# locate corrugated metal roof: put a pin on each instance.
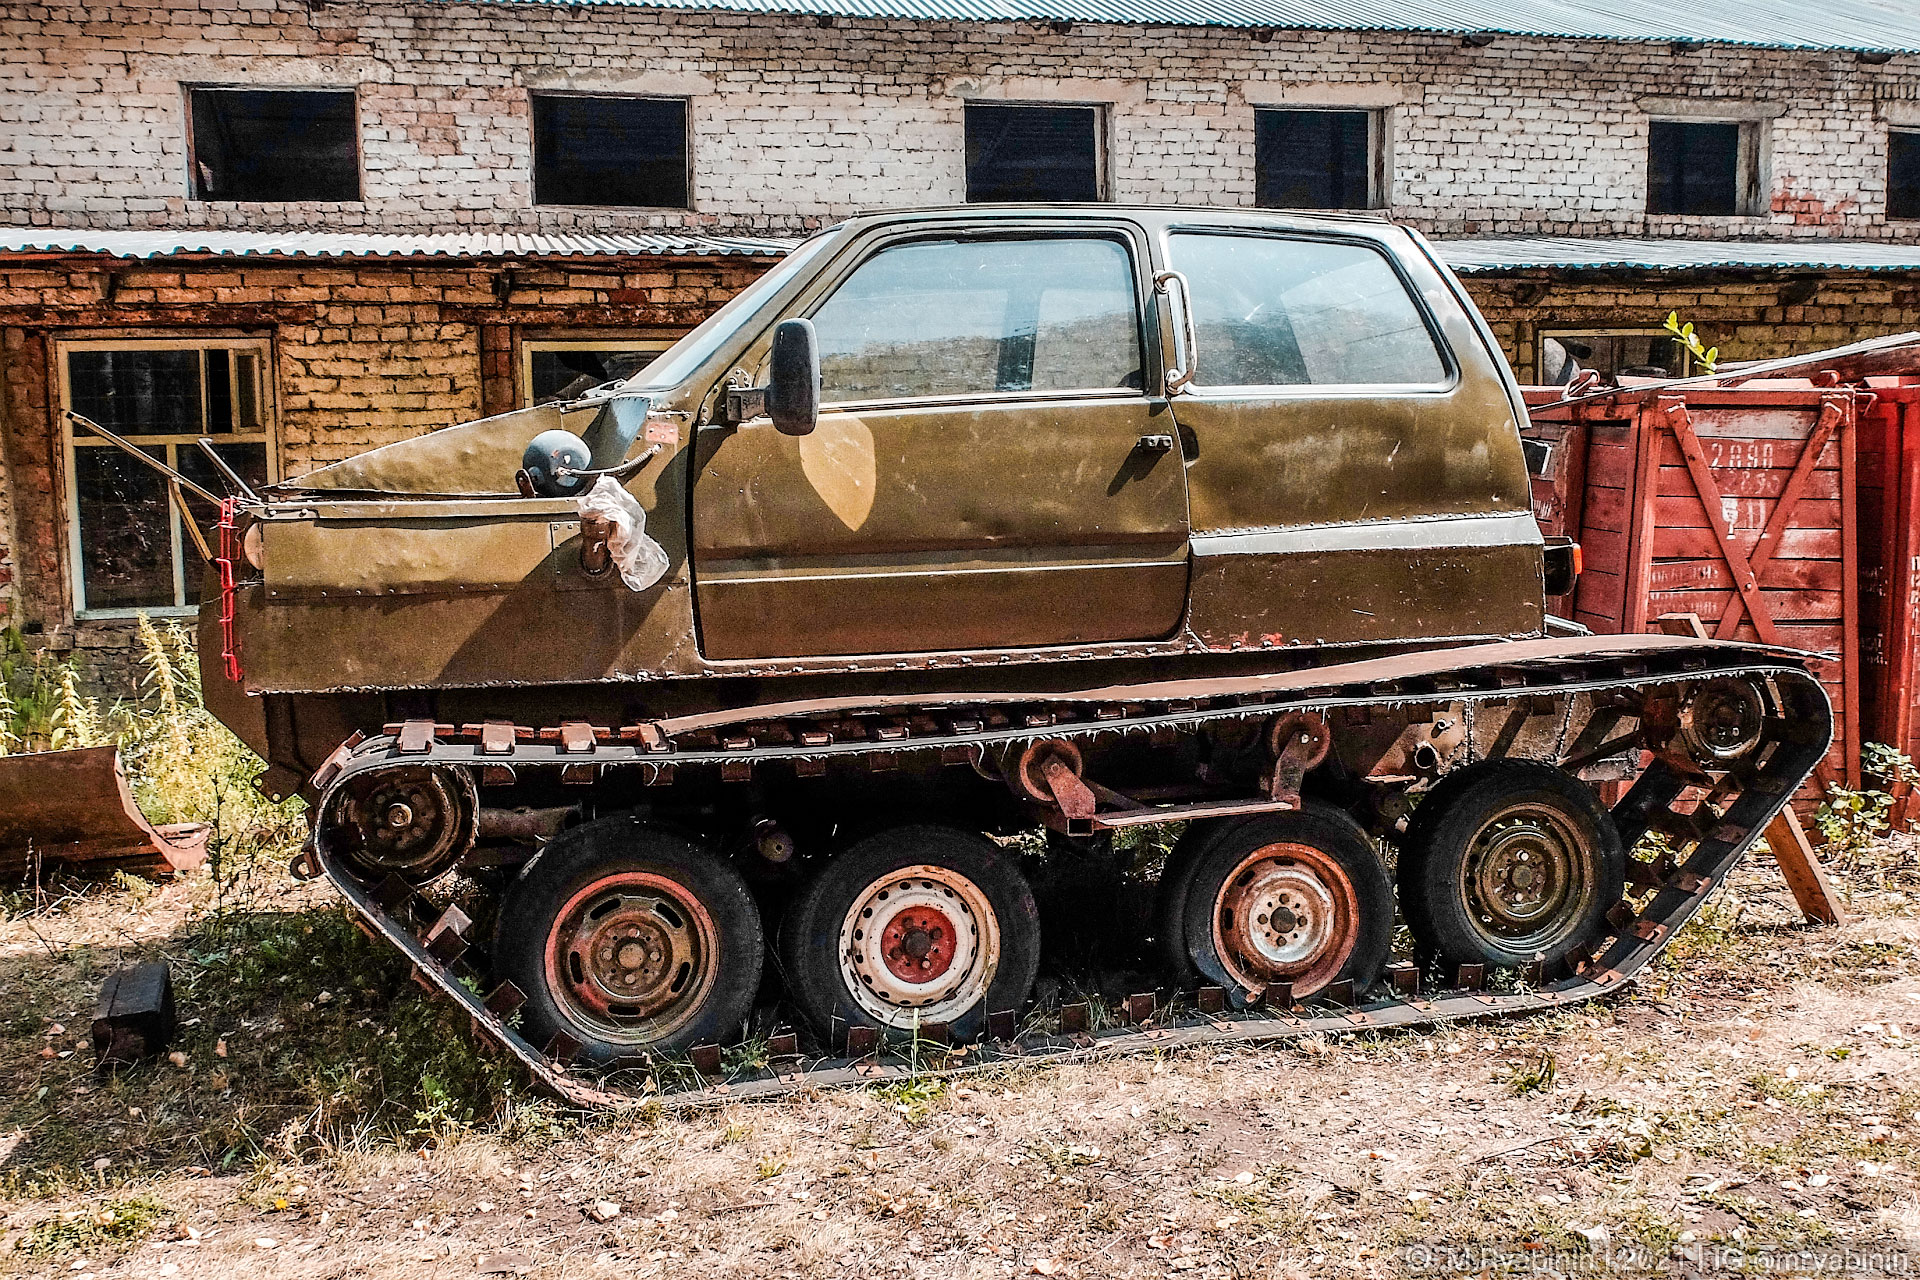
(1881, 25)
(1474, 256)
(332, 244)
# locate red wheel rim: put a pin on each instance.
(918, 944)
(631, 957)
(1287, 913)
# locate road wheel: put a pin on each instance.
(1509, 862)
(909, 927)
(1170, 898)
(632, 941)
(1298, 898)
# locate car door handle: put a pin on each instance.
(1154, 444)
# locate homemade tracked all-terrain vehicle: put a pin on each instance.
(722, 686)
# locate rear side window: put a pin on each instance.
(976, 317)
(1277, 312)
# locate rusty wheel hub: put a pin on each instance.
(631, 957)
(1522, 876)
(1288, 913)
(412, 820)
(919, 945)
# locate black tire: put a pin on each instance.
(1345, 936)
(819, 977)
(1552, 818)
(657, 884)
(1170, 899)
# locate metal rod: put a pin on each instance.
(233, 477)
(144, 456)
(193, 529)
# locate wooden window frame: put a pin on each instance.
(72, 439)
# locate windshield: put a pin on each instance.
(678, 362)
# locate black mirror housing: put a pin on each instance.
(793, 381)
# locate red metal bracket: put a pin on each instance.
(229, 552)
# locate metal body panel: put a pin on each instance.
(900, 546)
(1016, 523)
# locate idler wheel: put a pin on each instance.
(631, 941)
(1724, 720)
(1509, 862)
(915, 925)
(1296, 898)
(412, 820)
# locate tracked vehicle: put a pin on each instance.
(965, 523)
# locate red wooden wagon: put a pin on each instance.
(1736, 505)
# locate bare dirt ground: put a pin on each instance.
(1755, 1097)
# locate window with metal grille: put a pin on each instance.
(1699, 167)
(1017, 154)
(610, 151)
(1316, 159)
(1903, 175)
(274, 144)
(136, 544)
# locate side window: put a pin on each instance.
(974, 317)
(1270, 311)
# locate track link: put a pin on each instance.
(1713, 821)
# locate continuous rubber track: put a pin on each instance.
(1713, 824)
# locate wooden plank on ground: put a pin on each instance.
(1801, 868)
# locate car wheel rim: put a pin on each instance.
(1522, 881)
(632, 958)
(919, 945)
(1287, 913)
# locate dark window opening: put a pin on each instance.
(610, 151)
(133, 547)
(275, 144)
(563, 371)
(1021, 154)
(1313, 159)
(1693, 167)
(1903, 175)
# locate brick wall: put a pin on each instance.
(794, 122)
(1746, 318)
(363, 353)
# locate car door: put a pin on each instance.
(1356, 472)
(989, 469)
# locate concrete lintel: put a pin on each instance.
(1666, 108)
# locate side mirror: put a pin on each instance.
(793, 382)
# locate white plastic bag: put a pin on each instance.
(641, 561)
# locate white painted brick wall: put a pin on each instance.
(795, 123)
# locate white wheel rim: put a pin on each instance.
(887, 935)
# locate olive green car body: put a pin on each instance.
(1015, 540)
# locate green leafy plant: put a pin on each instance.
(1852, 821)
(1708, 358)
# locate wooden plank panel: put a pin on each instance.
(1780, 453)
(1603, 550)
(1609, 465)
(1744, 515)
(1738, 425)
(1606, 509)
(1753, 482)
(1600, 593)
(1784, 575)
(1797, 544)
(1820, 606)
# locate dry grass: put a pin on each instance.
(1756, 1095)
